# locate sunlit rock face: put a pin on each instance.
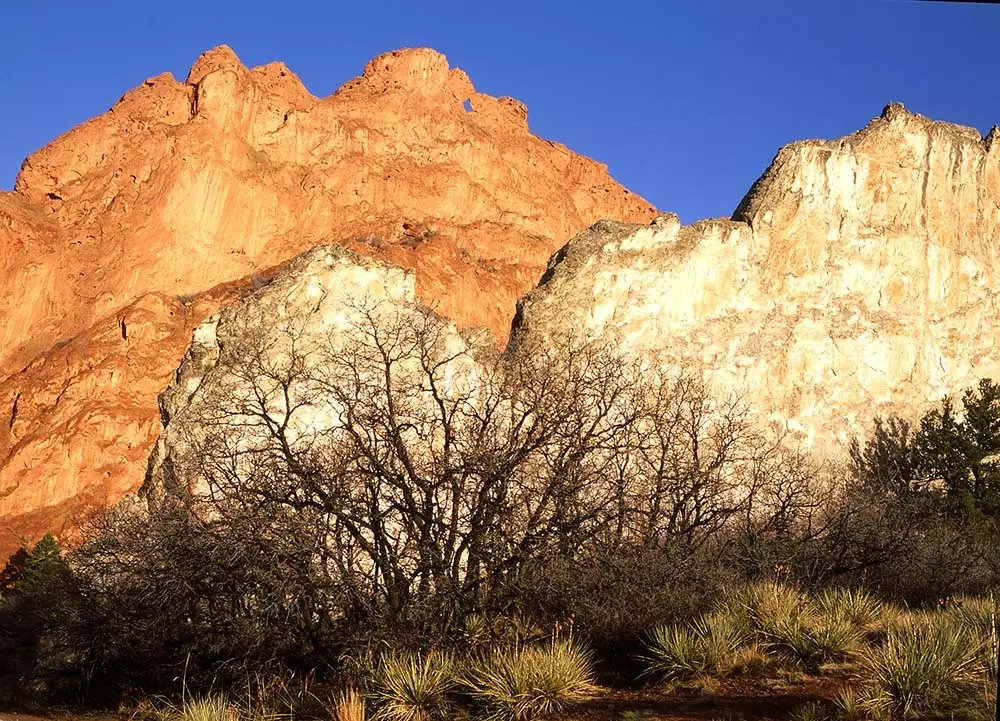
(272, 372)
(855, 279)
(125, 233)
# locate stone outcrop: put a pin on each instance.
(277, 352)
(122, 235)
(856, 278)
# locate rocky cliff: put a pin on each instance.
(856, 278)
(124, 234)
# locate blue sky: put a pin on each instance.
(686, 101)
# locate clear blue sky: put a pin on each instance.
(686, 100)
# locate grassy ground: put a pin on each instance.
(763, 652)
(738, 698)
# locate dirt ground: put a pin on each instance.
(736, 698)
(57, 716)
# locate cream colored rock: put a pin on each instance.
(855, 279)
(267, 372)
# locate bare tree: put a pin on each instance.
(395, 471)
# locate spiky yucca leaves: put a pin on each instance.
(976, 613)
(862, 609)
(709, 645)
(979, 616)
(790, 626)
(519, 684)
(809, 640)
(758, 604)
(923, 668)
(413, 688)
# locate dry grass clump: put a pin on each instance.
(518, 684)
(349, 705)
(212, 707)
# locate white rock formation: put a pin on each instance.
(268, 360)
(857, 278)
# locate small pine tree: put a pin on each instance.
(953, 450)
(40, 589)
(959, 450)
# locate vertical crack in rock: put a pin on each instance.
(13, 412)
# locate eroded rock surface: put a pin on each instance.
(856, 278)
(125, 233)
(269, 377)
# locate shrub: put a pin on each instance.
(413, 688)
(923, 667)
(519, 684)
(709, 645)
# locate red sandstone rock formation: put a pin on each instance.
(126, 232)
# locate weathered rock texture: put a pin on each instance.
(277, 352)
(123, 234)
(856, 278)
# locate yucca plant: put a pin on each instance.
(982, 704)
(519, 684)
(764, 600)
(810, 640)
(477, 629)
(413, 688)
(856, 606)
(830, 639)
(789, 625)
(761, 606)
(709, 645)
(976, 613)
(922, 668)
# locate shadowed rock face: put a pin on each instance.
(856, 278)
(124, 234)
